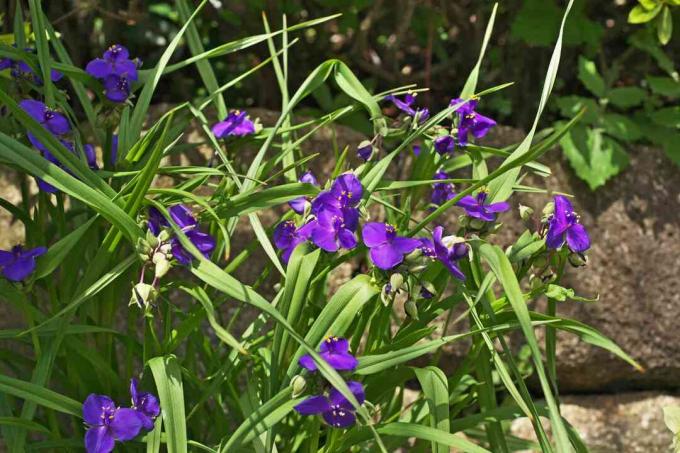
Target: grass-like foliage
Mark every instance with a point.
(135, 333)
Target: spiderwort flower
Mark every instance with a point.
(116, 61)
(470, 121)
(236, 124)
(108, 423)
(448, 256)
(344, 195)
(17, 264)
(146, 405)
(564, 226)
(116, 88)
(50, 119)
(184, 219)
(298, 205)
(387, 249)
(478, 208)
(444, 144)
(331, 233)
(335, 409)
(335, 351)
(21, 70)
(406, 106)
(441, 191)
(287, 236)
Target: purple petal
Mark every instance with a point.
(325, 238)
(340, 361)
(347, 239)
(444, 144)
(385, 256)
(34, 108)
(45, 187)
(454, 270)
(298, 204)
(374, 234)
(405, 245)
(309, 178)
(180, 254)
(313, 405)
(20, 269)
(339, 418)
(99, 68)
(501, 206)
(182, 216)
(6, 257)
(283, 234)
(307, 362)
(204, 242)
(35, 252)
(577, 238)
(562, 208)
(134, 394)
(90, 156)
(99, 440)
(125, 68)
(555, 236)
(338, 399)
(116, 89)
(94, 407)
(334, 344)
(481, 125)
(126, 424)
(57, 124)
(468, 201)
(347, 188)
(116, 52)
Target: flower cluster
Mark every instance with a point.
(20, 70)
(564, 226)
(116, 71)
(470, 121)
(108, 423)
(56, 124)
(19, 263)
(333, 406)
(407, 105)
(441, 191)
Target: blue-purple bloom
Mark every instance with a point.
(441, 191)
(387, 249)
(298, 205)
(236, 124)
(182, 216)
(365, 150)
(444, 144)
(470, 121)
(448, 256)
(287, 236)
(333, 231)
(407, 106)
(21, 70)
(335, 351)
(108, 423)
(478, 208)
(53, 121)
(146, 405)
(335, 409)
(17, 264)
(564, 226)
(116, 70)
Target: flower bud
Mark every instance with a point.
(387, 295)
(143, 294)
(464, 220)
(298, 385)
(578, 259)
(548, 209)
(396, 281)
(143, 247)
(166, 249)
(414, 255)
(365, 150)
(417, 268)
(429, 287)
(535, 282)
(277, 287)
(162, 266)
(476, 224)
(411, 309)
(151, 239)
(525, 212)
(164, 235)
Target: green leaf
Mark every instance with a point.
(591, 79)
(594, 157)
(24, 424)
(626, 97)
(434, 435)
(470, 86)
(571, 105)
(665, 86)
(436, 390)
(669, 117)
(640, 15)
(57, 252)
(664, 26)
(168, 376)
(40, 395)
(621, 127)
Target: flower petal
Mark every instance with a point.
(34, 108)
(20, 269)
(347, 239)
(405, 245)
(338, 399)
(339, 418)
(577, 238)
(325, 238)
(6, 257)
(501, 206)
(99, 440)
(555, 237)
(374, 234)
(94, 407)
(340, 361)
(313, 405)
(126, 424)
(307, 362)
(99, 68)
(385, 256)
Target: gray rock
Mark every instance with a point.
(622, 423)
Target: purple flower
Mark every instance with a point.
(416, 150)
(298, 205)
(365, 150)
(425, 294)
(331, 232)
(51, 120)
(564, 225)
(17, 264)
(471, 122)
(21, 70)
(406, 106)
(116, 88)
(116, 62)
(387, 249)
(335, 409)
(441, 191)
(345, 192)
(477, 207)
(237, 124)
(108, 423)
(90, 156)
(146, 405)
(444, 144)
(287, 236)
(183, 217)
(448, 256)
(335, 351)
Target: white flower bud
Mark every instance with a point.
(298, 384)
(143, 294)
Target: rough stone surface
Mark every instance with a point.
(622, 423)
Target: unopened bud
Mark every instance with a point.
(164, 235)
(578, 259)
(143, 294)
(387, 295)
(535, 282)
(396, 280)
(411, 309)
(166, 249)
(429, 287)
(417, 268)
(525, 212)
(151, 239)
(414, 255)
(464, 220)
(476, 224)
(143, 247)
(298, 385)
(548, 209)
(162, 267)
